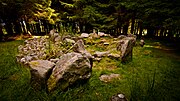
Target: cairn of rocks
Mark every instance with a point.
(33, 49)
(49, 71)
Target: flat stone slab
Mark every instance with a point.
(109, 78)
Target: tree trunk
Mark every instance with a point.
(161, 32)
(150, 32)
(17, 28)
(140, 31)
(8, 27)
(1, 34)
(132, 24)
(38, 29)
(125, 28)
(140, 27)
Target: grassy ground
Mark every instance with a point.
(153, 75)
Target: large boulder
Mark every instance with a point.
(40, 72)
(70, 69)
(125, 46)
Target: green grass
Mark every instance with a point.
(153, 75)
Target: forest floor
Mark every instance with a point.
(153, 75)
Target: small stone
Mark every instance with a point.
(118, 97)
(57, 39)
(54, 60)
(121, 96)
(109, 78)
(28, 58)
(84, 35)
(101, 34)
(116, 56)
(100, 54)
(69, 40)
(106, 43)
(97, 59)
(141, 43)
(23, 60)
(93, 35)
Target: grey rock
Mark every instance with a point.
(109, 78)
(121, 37)
(116, 56)
(84, 35)
(79, 48)
(97, 59)
(141, 43)
(53, 34)
(40, 72)
(100, 54)
(125, 46)
(69, 40)
(57, 39)
(71, 67)
(41, 67)
(23, 60)
(118, 97)
(132, 35)
(93, 35)
(28, 58)
(54, 60)
(101, 34)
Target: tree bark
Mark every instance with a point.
(1, 34)
(125, 28)
(132, 24)
(150, 32)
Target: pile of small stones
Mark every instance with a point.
(33, 49)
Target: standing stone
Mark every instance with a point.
(79, 48)
(40, 72)
(125, 46)
(70, 69)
